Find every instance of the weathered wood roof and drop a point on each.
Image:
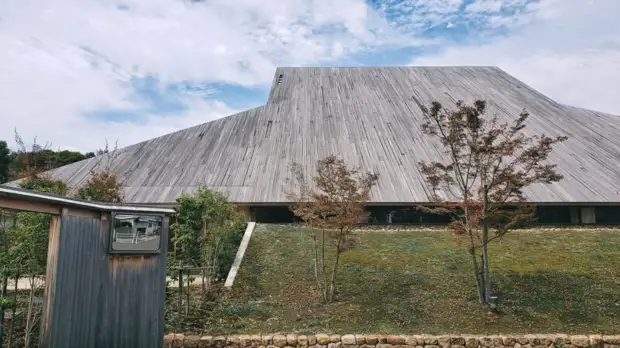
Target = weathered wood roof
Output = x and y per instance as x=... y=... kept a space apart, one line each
x=369 y=116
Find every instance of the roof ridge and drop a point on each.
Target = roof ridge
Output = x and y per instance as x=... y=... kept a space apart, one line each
x=389 y=67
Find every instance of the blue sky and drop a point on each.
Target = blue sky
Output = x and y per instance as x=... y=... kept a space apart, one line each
x=78 y=72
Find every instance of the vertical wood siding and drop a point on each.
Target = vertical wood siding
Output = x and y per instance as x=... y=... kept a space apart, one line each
x=94 y=300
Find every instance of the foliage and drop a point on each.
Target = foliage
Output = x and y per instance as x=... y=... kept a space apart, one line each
x=206 y=225
x=25 y=235
x=206 y=232
x=228 y=252
x=331 y=209
x=29 y=238
x=5 y=161
x=43 y=183
x=103 y=184
x=38 y=158
x=25 y=242
x=487 y=166
x=25 y=256
x=416 y=281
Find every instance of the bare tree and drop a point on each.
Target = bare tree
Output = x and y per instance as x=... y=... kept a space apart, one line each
x=331 y=209
x=488 y=164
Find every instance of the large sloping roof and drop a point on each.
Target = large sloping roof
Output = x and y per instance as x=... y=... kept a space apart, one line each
x=369 y=116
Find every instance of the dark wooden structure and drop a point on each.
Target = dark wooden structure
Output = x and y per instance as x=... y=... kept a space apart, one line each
x=93 y=298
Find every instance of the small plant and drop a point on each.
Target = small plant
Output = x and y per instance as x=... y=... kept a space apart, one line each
x=103 y=184
x=331 y=209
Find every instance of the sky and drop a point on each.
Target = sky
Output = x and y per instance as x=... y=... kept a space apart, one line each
x=79 y=73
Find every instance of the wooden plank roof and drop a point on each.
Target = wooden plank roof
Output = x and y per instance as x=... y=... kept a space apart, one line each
x=369 y=116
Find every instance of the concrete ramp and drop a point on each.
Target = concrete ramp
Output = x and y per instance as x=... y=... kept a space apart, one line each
x=239 y=257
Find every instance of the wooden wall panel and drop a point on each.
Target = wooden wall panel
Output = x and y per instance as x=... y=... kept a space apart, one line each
x=96 y=300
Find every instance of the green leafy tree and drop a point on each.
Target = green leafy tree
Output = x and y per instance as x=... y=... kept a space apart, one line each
x=43 y=183
x=331 y=209
x=7 y=221
x=25 y=235
x=480 y=183
x=25 y=242
x=205 y=222
x=50 y=159
x=205 y=234
x=5 y=161
x=36 y=159
x=26 y=250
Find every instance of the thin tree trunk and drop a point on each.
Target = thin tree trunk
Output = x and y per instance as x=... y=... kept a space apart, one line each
x=5 y=279
x=485 y=273
x=216 y=257
x=485 y=241
x=474 y=259
x=188 y=291
x=13 y=307
x=332 y=283
x=325 y=284
x=3 y=292
x=316 y=264
x=212 y=269
x=29 y=314
x=479 y=285
x=204 y=286
x=180 y=298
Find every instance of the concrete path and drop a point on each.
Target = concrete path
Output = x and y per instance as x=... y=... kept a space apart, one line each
x=24 y=284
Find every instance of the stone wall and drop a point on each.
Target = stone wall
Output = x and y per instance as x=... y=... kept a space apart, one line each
x=384 y=341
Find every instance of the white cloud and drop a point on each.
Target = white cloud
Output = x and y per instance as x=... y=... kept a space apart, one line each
x=569 y=50
x=151 y=126
x=485 y=6
x=62 y=59
x=415 y=14
x=494 y=6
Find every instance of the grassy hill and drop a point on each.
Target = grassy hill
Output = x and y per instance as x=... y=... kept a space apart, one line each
x=420 y=282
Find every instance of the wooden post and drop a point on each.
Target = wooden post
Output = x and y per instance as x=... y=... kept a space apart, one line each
x=50 y=281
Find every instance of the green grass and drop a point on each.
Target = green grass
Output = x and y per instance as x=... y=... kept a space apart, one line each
x=421 y=282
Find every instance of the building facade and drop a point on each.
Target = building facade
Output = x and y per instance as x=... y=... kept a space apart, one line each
x=371 y=118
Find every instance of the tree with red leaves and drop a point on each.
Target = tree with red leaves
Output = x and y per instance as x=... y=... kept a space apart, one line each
x=480 y=181
x=331 y=208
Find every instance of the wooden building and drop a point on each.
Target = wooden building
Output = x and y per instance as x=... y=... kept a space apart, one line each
x=98 y=292
x=371 y=117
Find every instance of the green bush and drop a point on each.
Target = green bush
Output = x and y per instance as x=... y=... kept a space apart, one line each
x=207 y=231
x=229 y=250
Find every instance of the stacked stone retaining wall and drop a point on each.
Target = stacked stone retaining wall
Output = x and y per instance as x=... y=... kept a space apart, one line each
x=393 y=341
